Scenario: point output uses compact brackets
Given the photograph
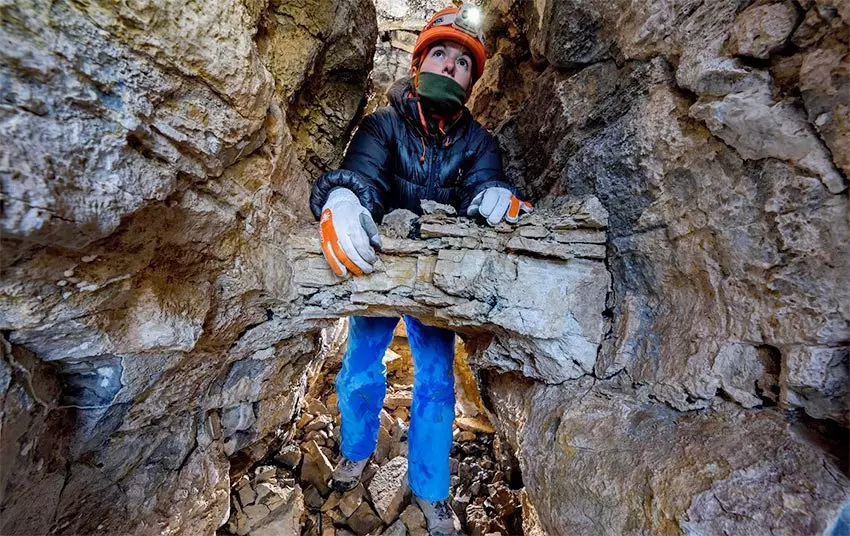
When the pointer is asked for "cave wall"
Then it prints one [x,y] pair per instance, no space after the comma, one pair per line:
[154,157]
[161,298]
[715,134]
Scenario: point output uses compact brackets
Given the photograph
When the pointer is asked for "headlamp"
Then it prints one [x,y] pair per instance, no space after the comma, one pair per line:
[468,20]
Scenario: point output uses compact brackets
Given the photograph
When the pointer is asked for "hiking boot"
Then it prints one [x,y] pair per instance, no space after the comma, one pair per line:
[440,517]
[346,476]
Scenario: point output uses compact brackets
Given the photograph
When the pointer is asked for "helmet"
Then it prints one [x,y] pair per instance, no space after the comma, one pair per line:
[461,25]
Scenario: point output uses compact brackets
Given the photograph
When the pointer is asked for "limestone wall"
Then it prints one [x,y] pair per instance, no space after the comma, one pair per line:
[153,158]
[663,346]
[715,135]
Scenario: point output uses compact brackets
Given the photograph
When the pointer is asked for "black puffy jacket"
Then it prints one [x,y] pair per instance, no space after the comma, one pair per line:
[393,162]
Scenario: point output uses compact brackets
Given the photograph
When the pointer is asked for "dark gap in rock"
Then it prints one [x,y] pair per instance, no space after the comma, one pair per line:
[722,394]
[135,143]
[92,383]
[485,376]
[767,387]
[246,330]
[755,63]
[240,462]
[828,435]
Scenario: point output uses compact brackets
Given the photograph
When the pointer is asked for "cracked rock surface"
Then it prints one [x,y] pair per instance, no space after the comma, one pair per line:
[661,348]
[538,288]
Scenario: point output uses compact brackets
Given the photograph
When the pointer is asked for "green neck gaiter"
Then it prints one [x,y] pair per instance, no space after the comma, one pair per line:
[440,94]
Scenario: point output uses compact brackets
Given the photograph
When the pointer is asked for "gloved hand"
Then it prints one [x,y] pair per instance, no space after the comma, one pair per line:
[348,232]
[496,203]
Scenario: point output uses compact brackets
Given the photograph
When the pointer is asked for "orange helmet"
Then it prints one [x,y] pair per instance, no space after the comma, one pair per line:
[461,25]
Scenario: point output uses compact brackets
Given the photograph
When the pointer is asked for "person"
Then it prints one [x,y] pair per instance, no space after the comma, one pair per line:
[423,145]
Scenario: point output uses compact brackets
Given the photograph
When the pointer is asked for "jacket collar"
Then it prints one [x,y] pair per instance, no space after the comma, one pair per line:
[403,98]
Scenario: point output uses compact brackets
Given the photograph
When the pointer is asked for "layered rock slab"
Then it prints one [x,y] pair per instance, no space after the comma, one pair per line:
[538,288]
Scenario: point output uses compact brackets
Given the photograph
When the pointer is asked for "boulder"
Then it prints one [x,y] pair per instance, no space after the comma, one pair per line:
[389,489]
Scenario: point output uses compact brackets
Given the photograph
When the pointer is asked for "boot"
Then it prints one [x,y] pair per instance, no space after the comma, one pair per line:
[346,476]
[440,517]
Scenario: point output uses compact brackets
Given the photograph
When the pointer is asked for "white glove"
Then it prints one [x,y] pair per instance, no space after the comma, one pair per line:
[348,232]
[496,203]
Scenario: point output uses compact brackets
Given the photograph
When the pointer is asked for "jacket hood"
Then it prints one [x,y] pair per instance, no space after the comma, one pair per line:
[403,99]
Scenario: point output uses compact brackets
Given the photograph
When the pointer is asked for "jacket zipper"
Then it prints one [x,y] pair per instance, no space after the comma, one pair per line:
[432,177]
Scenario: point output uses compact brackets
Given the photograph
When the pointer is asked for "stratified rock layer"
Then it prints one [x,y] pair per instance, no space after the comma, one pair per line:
[715,135]
[641,467]
[538,288]
[152,165]
[163,293]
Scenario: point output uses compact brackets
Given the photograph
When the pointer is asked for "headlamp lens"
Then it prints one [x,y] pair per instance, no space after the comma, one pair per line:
[468,19]
[474,16]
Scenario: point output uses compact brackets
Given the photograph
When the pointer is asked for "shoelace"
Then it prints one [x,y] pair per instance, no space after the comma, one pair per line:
[443,509]
[349,465]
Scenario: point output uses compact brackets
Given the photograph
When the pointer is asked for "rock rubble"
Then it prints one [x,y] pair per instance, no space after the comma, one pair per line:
[382,503]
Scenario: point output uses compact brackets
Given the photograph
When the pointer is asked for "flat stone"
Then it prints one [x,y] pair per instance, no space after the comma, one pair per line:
[332,501]
[364,521]
[387,422]
[414,520]
[398,399]
[256,513]
[474,424]
[477,520]
[289,456]
[350,500]
[245,491]
[313,499]
[433,207]
[389,488]
[369,471]
[319,423]
[315,468]
[400,223]
[316,407]
[265,473]
[396,529]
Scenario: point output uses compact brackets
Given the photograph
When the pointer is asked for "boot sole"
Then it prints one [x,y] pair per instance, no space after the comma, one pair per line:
[342,487]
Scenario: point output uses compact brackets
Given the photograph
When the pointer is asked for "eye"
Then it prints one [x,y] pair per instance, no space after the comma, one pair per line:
[438,52]
[463,62]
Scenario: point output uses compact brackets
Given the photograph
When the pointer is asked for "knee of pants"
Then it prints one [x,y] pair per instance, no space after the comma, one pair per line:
[436,391]
[347,379]
[368,387]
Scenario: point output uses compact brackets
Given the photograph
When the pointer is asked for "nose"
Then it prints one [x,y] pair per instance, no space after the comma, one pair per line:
[449,66]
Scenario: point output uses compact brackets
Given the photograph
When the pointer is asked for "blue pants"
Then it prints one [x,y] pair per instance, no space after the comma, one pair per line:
[362,384]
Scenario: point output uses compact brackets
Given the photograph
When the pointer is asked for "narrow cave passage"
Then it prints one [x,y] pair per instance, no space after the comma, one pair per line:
[664,344]
[486,485]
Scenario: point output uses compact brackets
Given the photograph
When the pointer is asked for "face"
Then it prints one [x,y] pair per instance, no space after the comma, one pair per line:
[449,59]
